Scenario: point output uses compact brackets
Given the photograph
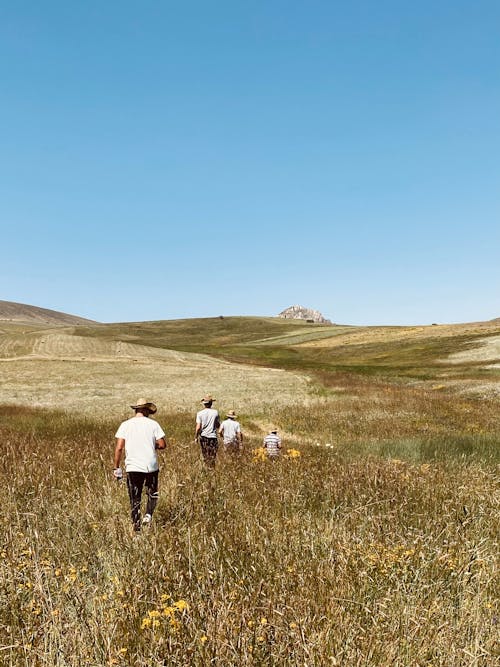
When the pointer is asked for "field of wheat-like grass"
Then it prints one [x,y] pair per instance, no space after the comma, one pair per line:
[374,543]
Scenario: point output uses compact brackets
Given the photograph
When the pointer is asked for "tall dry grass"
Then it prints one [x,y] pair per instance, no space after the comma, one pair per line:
[378,549]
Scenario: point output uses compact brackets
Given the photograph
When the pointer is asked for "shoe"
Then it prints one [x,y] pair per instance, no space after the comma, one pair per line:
[146,521]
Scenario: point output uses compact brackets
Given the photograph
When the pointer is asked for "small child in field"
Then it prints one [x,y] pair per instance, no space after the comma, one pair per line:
[272,444]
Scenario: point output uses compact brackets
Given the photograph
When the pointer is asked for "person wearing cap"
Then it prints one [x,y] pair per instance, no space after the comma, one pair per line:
[207,423]
[272,443]
[230,430]
[140,437]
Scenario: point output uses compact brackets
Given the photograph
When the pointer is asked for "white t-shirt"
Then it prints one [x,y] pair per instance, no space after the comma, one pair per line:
[209,420]
[140,434]
[231,428]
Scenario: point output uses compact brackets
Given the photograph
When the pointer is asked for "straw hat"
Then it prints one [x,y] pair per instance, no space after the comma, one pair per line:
[231,414]
[141,403]
[207,399]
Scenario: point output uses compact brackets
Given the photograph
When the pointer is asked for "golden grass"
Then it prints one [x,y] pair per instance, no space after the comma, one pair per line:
[373,543]
[376,546]
[98,386]
[385,334]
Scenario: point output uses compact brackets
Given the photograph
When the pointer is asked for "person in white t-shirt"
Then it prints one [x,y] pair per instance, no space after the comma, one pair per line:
[230,430]
[207,423]
[140,437]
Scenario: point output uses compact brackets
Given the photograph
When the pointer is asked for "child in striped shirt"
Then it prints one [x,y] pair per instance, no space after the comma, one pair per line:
[272,444]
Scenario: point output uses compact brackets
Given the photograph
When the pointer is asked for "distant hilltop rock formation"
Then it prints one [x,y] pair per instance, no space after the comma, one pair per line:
[22,313]
[301,313]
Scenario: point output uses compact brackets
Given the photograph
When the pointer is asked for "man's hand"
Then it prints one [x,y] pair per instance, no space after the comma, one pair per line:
[118,474]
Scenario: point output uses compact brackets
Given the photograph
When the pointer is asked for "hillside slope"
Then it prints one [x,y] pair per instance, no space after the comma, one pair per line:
[244,361]
[11,311]
[418,352]
[55,367]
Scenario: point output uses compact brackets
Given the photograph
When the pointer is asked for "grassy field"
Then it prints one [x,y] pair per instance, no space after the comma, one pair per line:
[387,352]
[376,546]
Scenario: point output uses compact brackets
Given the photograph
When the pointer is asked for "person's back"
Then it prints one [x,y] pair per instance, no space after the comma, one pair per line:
[230,429]
[140,434]
[207,423]
[272,444]
[209,420]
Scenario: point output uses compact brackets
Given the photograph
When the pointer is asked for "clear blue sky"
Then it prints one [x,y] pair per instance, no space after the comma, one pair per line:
[194,158]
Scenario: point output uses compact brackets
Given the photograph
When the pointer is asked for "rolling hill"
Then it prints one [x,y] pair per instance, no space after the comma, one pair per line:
[26,314]
[49,358]
[412,352]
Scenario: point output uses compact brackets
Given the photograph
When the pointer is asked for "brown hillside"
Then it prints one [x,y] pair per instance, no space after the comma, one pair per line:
[21,312]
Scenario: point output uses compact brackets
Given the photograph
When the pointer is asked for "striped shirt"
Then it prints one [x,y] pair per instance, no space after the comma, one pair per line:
[272,444]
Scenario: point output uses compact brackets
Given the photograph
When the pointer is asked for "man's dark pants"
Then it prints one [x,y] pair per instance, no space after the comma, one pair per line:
[135,483]
[209,450]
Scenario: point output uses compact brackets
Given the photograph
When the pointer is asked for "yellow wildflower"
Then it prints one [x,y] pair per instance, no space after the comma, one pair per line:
[181,605]
[169,611]
[146,623]
[259,454]
[203,639]
[292,454]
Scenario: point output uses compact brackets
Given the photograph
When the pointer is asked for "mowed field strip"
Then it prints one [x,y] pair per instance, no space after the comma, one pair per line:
[53,368]
[371,335]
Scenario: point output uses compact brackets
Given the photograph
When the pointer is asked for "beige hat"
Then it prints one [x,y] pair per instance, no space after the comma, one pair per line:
[231,414]
[273,429]
[207,399]
[141,403]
